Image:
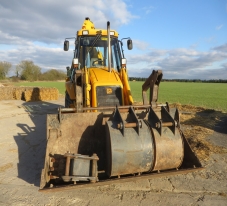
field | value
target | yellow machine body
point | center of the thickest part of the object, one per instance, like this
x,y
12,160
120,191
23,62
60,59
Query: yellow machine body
x,y
101,77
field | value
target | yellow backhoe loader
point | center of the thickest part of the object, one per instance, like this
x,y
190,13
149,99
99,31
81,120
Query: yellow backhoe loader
x,y
101,137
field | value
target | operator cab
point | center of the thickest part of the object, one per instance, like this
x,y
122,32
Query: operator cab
x,y
94,52
91,48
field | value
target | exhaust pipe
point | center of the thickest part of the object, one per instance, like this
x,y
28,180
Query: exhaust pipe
x,y
109,46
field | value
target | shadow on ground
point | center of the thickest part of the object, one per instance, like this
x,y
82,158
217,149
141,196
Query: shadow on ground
x,y
32,141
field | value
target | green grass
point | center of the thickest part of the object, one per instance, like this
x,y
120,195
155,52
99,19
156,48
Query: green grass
x,y
208,95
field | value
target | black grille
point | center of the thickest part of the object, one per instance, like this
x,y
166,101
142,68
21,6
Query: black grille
x,y
108,96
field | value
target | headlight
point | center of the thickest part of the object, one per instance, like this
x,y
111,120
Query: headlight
x,y
112,33
85,32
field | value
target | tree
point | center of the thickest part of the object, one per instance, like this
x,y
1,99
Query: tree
x,y
18,71
4,69
29,71
53,75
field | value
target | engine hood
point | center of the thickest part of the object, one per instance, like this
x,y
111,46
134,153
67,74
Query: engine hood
x,y
101,76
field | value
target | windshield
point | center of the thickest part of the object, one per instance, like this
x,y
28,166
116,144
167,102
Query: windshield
x,y
94,52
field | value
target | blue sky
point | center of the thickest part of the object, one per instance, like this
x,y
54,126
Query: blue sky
x,y
184,38
172,24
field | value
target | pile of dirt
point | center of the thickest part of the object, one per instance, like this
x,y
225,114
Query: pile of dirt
x,y
198,124
196,137
189,108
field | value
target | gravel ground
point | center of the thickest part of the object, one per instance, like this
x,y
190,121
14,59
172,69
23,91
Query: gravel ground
x,y
22,151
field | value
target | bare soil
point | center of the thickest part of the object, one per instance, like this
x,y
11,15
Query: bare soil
x,y
22,151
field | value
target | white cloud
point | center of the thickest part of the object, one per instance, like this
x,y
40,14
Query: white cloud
x,y
120,11
219,27
148,9
43,56
210,39
222,48
141,45
25,25
49,21
154,56
181,63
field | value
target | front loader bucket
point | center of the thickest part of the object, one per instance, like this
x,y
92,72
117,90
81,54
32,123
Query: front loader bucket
x,y
118,145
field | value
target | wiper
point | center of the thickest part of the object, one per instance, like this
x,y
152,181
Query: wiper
x,y
98,36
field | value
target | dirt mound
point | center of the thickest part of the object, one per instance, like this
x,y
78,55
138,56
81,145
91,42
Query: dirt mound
x,y
196,137
198,124
189,108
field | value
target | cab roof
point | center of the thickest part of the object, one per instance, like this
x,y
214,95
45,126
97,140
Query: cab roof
x,y
88,28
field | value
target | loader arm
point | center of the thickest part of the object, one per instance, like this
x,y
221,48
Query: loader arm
x,y
152,83
126,89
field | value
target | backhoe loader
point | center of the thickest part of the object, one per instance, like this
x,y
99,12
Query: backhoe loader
x,y
101,137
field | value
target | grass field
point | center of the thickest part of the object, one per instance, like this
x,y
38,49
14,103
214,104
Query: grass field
x,y
208,95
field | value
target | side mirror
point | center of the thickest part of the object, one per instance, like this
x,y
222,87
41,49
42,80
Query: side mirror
x,y
129,44
66,45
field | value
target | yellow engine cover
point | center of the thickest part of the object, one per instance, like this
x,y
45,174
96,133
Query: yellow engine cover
x,y
105,84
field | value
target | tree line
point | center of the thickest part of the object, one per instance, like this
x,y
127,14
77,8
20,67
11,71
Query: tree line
x,y
27,70
181,80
